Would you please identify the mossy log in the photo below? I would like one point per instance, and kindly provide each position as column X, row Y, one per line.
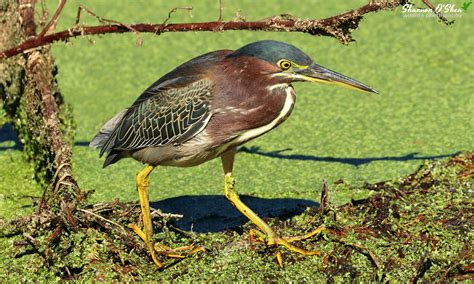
column 32, row 103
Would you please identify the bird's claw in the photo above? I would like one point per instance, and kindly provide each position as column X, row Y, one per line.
column 179, row 252
column 274, row 240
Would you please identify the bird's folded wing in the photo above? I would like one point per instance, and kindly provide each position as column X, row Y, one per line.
column 170, row 114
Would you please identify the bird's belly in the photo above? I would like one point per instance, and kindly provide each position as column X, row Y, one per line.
column 189, row 161
column 196, row 151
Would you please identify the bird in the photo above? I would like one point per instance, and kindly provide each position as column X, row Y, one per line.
column 204, row 109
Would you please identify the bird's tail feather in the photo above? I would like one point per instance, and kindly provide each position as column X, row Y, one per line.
column 104, row 134
column 112, row 158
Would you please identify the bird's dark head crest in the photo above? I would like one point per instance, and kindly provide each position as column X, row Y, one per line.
column 295, row 65
column 273, row 51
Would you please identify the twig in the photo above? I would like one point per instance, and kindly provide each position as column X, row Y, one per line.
column 324, row 205
column 67, row 215
column 339, row 27
column 324, row 202
column 104, row 21
column 221, row 8
column 189, row 8
column 55, row 234
column 439, row 14
column 31, row 239
column 101, row 218
column 53, row 182
column 68, row 272
column 157, row 213
column 104, row 207
column 54, row 19
column 63, row 181
column 372, row 256
column 20, row 243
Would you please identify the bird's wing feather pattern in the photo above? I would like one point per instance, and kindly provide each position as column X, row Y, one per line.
column 168, row 115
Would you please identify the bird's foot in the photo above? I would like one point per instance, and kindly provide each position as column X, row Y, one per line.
column 272, row 239
column 179, row 252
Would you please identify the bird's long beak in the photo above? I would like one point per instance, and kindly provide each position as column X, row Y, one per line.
column 317, row 73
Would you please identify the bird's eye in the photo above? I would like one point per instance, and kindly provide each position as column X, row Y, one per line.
column 284, row 64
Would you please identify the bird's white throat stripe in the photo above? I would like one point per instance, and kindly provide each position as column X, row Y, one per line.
column 289, row 102
column 278, row 86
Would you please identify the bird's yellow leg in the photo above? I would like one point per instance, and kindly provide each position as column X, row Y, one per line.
column 146, row 235
column 142, row 181
column 268, row 235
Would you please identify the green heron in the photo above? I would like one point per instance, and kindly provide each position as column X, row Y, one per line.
column 206, row 108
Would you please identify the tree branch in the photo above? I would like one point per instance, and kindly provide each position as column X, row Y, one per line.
column 54, row 19
column 339, row 27
column 438, row 14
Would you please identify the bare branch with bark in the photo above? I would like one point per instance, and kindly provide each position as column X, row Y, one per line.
column 339, row 27
column 54, row 19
